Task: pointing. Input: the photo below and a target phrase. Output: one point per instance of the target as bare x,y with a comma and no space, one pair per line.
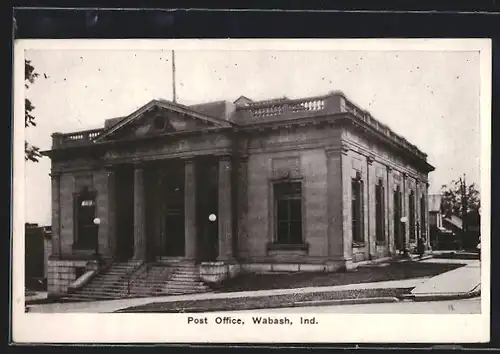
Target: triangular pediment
158,118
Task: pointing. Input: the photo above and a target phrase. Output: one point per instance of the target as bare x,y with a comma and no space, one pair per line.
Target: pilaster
390,211
346,203
370,210
335,204
56,214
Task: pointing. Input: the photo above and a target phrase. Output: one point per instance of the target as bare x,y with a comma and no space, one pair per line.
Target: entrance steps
109,284
139,279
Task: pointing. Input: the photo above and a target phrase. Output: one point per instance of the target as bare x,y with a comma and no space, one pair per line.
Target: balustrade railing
366,117
284,107
76,137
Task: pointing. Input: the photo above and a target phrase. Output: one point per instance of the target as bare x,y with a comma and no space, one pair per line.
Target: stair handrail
132,279
129,274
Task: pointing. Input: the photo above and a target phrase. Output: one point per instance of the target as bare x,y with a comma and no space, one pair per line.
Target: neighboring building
469,239
295,184
37,250
441,237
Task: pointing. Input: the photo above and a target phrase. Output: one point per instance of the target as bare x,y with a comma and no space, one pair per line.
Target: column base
217,272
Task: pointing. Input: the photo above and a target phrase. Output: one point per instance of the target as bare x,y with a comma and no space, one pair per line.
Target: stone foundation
292,267
61,273
216,272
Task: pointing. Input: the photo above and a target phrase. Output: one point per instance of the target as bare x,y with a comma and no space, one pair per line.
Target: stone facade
321,147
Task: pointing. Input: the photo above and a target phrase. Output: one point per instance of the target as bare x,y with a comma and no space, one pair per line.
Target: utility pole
174,98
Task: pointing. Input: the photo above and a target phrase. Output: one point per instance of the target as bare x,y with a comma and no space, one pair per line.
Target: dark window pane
283,210
296,232
295,210
289,212
283,232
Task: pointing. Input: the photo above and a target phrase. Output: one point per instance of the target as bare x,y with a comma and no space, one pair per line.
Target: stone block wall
61,273
308,166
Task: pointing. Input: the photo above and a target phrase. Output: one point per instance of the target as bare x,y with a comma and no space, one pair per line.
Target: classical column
370,190
225,210
242,205
390,211
190,209
346,204
111,182
139,214
56,214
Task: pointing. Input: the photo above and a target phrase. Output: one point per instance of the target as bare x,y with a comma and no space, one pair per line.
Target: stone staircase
137,279
109,284
184,279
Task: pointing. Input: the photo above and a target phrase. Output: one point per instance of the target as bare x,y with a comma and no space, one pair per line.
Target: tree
31,153
460,199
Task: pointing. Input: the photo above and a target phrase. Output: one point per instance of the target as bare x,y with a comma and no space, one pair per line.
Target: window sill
358,244
287,247
380,243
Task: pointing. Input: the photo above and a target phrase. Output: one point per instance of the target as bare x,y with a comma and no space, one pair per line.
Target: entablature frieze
289,146
390,165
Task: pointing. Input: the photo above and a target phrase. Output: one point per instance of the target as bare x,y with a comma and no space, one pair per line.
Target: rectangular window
397,216
357,210
288,204
379,212
411,219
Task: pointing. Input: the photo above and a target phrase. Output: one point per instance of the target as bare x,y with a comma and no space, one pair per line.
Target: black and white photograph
252,190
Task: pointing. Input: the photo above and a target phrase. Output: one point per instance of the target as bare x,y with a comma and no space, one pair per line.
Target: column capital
225,157
138,165
188,160
370,160
344,149
243,158
389,168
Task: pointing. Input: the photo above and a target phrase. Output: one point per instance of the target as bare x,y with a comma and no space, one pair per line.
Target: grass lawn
249,282
250,303
394,271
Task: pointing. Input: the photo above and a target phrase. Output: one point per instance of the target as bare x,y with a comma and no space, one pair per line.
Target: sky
429,97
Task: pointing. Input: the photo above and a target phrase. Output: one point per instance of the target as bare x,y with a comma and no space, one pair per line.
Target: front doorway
172,210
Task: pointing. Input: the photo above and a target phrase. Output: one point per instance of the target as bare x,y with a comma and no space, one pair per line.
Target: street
464,306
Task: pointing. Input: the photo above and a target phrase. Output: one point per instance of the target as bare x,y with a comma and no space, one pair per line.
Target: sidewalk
459,282
115,305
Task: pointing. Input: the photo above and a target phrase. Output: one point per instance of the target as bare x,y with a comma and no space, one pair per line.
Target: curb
441,297
360,301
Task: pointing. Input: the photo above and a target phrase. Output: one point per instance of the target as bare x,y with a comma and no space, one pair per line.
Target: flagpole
174,99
